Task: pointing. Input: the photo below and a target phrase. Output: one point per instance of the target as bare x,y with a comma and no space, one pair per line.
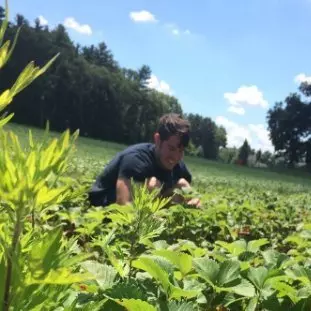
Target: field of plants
247,248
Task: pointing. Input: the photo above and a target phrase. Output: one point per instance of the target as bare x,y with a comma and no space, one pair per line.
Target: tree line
87,89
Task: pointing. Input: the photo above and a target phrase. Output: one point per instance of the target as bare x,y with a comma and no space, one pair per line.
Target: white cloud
159,85
142,16
43,21
247,95
84,29
237,109
262,136
256,134
236,134
301,78
175,32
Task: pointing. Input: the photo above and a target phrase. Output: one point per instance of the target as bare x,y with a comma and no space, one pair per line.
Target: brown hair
173,124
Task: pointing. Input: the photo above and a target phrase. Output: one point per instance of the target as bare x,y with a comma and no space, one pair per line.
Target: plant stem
133,240
16,234
33,219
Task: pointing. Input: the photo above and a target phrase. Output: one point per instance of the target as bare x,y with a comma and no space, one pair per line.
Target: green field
91,156
247,248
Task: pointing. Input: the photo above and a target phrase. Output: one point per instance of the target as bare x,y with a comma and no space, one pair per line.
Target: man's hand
153,183
194,202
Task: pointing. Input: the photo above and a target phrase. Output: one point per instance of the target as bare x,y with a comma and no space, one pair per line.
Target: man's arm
123,191
131,167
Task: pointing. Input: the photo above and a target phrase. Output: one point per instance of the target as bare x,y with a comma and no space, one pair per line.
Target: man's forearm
123,189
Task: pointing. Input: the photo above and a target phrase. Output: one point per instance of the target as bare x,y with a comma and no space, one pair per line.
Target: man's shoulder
143,152
136,161
138,149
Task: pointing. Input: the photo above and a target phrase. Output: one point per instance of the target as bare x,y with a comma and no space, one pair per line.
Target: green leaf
164,263
59,276
104,274
6,54
174,306
6,119
131,289
178,293
246,257
258,276
4,22
181,260
304,292
252,305
229,271
160,244
245,288
120,266
154,269
274,258
286,290
136,305
44,252
254,246
207,269
300,272
235,248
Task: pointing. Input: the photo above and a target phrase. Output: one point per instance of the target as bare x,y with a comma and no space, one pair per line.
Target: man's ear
157,138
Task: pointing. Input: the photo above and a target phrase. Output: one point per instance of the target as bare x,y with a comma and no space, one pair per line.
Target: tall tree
244,153
289,126
206,134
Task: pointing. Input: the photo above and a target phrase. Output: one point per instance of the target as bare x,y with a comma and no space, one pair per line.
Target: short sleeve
184,172
133,166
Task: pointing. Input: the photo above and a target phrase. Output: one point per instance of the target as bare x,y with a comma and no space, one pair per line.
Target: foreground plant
33,257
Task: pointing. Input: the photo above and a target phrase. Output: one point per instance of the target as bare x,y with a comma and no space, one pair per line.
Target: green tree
244,153
206,134
289,126
258,155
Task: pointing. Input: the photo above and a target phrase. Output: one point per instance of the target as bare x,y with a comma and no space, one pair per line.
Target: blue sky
229,60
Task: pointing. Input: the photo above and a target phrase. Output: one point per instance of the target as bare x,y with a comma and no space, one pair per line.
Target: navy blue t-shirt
137,162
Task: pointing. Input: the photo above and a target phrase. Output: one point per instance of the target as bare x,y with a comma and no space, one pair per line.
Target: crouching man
159,164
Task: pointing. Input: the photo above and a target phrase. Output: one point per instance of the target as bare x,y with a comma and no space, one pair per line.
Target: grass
92,155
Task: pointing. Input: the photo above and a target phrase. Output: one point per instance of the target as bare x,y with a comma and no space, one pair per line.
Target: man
159,164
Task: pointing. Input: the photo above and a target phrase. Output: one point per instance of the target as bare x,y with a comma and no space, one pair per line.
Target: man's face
170,151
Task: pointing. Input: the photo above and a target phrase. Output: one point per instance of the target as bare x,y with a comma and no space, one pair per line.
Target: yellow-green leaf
5,99
150,266
46,195
60,276
31,166
135,305
6,119
182,260
4,52
179,293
